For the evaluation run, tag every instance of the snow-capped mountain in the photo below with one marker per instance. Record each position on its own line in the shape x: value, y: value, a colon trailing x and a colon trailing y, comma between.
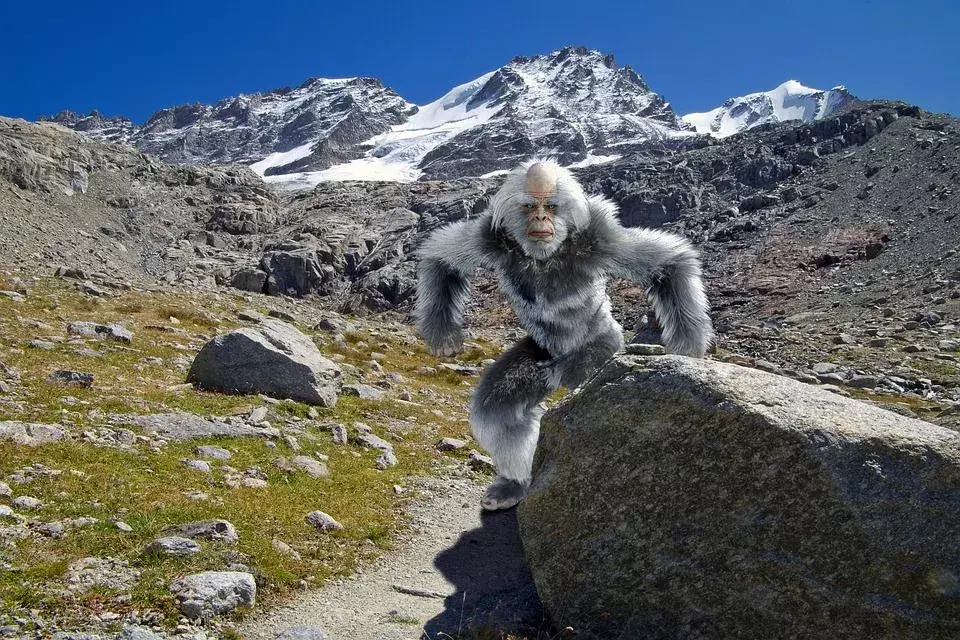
x: 574, y: 104
x: 790, y: 101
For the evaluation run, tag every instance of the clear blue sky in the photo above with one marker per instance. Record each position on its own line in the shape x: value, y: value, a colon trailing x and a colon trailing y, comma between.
x: 135, y: 57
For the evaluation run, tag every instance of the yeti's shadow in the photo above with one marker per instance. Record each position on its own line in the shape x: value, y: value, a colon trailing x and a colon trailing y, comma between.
x: 495, y: 589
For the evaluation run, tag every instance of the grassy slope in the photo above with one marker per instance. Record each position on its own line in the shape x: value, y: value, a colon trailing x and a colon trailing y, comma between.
x: 151, y: 490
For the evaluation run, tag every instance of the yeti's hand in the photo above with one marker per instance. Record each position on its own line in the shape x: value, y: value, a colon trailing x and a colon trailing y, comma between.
x: 449, y: 345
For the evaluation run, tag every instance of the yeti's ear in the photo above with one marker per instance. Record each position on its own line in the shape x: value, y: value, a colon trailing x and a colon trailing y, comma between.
x: 507, y: 200
x: 571, y: 201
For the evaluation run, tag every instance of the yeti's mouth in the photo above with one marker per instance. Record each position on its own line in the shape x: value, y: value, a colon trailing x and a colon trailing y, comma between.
x: 540, y: 235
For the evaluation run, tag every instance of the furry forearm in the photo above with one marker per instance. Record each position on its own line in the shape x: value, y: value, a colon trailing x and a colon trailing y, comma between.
x: 447, y: 258
x: 670, y: 267
x: 441, y: 298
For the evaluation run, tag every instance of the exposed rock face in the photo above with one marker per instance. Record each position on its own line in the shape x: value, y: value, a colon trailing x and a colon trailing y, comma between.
x: 95, y: 124
x: 678, y: 498
x: 272, y: 358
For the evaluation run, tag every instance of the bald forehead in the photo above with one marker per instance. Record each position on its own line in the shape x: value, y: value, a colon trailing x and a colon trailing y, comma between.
x: 541, y: 180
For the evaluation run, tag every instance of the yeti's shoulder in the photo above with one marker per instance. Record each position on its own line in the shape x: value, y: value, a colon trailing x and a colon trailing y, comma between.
x: 602, y: 226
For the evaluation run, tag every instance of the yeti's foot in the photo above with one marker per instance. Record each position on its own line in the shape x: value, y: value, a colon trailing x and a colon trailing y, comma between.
x: 503, y: 494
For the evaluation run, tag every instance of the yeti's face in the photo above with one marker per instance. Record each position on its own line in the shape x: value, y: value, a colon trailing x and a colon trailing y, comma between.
x: 540, y: 205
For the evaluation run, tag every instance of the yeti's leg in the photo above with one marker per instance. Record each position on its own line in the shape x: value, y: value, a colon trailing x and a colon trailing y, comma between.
x: 585, y: 361
x: 505, y: 417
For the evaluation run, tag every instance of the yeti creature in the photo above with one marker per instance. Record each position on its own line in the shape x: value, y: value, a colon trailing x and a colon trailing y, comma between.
x: 552, y: 249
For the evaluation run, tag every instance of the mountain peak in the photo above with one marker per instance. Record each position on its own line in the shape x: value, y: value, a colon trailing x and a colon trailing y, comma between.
x: 791, y: 100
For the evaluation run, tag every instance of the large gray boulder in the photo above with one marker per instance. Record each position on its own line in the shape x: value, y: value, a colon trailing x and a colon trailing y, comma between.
x: 680, y: 498
x: 272, y: 358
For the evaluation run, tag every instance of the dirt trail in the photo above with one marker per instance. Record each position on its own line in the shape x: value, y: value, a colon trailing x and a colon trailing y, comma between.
x: 473, y: 562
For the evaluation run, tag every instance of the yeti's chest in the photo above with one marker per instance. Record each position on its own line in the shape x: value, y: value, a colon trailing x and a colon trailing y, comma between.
x: 552, y: 297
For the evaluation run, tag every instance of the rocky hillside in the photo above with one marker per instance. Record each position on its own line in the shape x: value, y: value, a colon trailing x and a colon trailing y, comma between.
x: 830, y: 246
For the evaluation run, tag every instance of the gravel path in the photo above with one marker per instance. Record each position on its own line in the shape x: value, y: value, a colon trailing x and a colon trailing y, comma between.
x: 468, y: 569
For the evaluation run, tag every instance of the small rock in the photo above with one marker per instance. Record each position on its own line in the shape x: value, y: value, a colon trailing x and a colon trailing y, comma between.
x: 123, y: 526
x: 7, y: 512
x: 386, y: 460
x: 451, y: 444
x: 928, y: 317
x: 199, y: 465
x: 5, y: 491
x: 258, y: 415
x: 322, y: 521
x: 214, y: 453
x: 645, y: 349
x: 863, y: 382
x: 825, y: 367
x: 173, y: 546
x: 364, y: 391
x: 912, y: 348
x: 462, y: 369
x: 41, y: 344
x: 374, y: 442
x: 330, y: 324
x: 110, y: 573
x: 212, y: 529
x: 281, y: 315
x: 135, y: 632
x: 949, y: 345
x: 283, y: 548
x: 73, y: 378
x: 94, y: 330
x: 52, y: 529
x: 254, y: 483
x: 93, y: 290
x: 313, y: 468
x: 26, y: 502
x: 844, y: 338
x: 272, y: 358
x: 480, y: 462
x: 339, y: 434
x: 203, y: 595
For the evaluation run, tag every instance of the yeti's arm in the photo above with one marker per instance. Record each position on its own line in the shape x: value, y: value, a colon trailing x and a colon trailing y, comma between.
x: 669, y: 267
x: 447, y: 258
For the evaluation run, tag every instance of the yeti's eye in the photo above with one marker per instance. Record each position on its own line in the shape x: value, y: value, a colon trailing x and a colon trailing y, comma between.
x: 527, y: 206
x: 551, y: 206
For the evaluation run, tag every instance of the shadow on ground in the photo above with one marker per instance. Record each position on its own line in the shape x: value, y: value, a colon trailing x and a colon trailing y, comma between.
x: 495, y: 590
